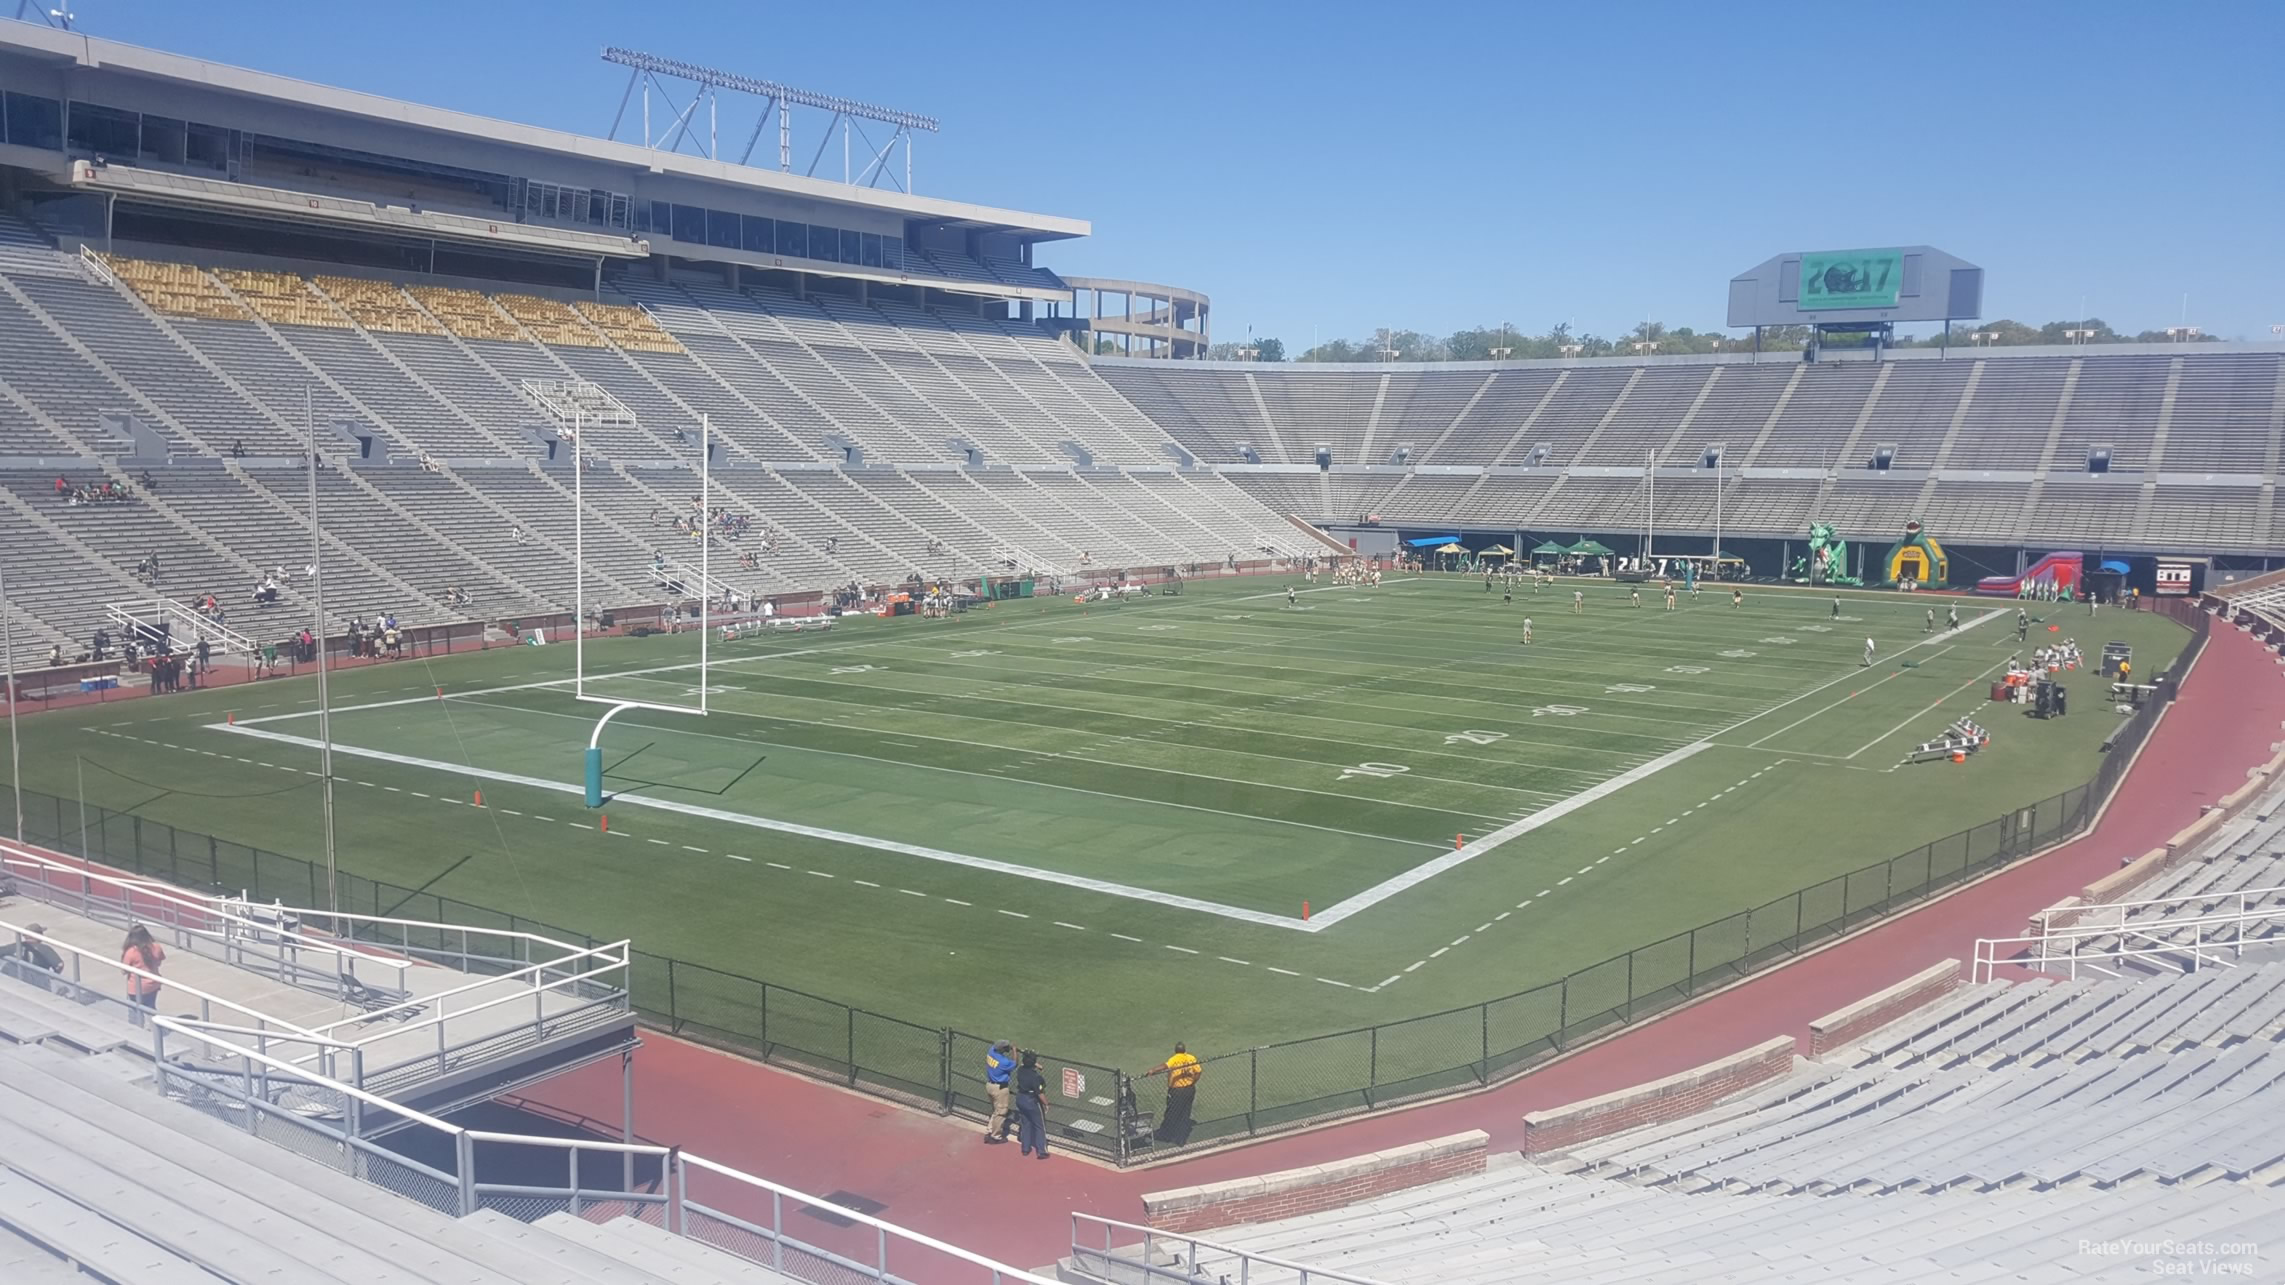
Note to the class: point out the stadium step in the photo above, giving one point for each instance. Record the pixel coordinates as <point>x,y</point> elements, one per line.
<point>29,1015</point>
<point>250,1168</point>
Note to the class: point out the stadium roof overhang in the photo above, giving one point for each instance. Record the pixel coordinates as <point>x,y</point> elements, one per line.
<point>288,98</point>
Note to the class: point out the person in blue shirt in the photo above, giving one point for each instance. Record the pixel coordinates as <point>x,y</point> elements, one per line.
<point>999,1066</point>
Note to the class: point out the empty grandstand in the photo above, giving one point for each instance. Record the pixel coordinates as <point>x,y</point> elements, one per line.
<point>277,357</point>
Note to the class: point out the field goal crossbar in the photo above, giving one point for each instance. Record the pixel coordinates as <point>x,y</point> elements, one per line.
<point>574,404</point>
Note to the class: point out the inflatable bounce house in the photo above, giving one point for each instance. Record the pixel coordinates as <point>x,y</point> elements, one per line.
<point>1917,558</point>
<point>2055,576</point>
<point>1827,561</point>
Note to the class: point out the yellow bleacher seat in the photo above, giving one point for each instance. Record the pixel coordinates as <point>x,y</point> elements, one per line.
<point>467,313</point>
<point>550,321</point>
<point>630,328</point>
<point>378,305</point>
<point>281,298</point>
<point>177,289</point>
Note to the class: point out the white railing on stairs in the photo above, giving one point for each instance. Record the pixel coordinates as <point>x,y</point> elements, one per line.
<point>668,1188</point>
<point>187,626</point>
<point>95,267</point>
<point>1190,1259</point>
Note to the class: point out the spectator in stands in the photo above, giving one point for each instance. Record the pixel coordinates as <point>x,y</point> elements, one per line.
<point>832,544</point>
<point>1182,1072</point>
<point>32,962</point>
<point>999,1069</point>
<point>63,485</point>
<point>204,654</point>
<point>55,655</point>
<point>143,479</point>
<point>144,956</point>
<point>1031,1106</point>
<point>237,449</point>
<point>99,644</point>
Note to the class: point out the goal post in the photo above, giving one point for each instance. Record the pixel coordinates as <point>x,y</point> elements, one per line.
<point>578,406</point>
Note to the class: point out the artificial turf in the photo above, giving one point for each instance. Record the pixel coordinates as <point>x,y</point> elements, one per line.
<point>1215,756</point>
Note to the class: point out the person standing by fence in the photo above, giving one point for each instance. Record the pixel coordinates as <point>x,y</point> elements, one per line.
<point>1031,1106</point>
<point>142,956</point>
<point>999,1067</point>
<point>1181,1071</point>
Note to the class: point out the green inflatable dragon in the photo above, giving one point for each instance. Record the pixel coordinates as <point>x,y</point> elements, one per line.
<point>1827,561</point>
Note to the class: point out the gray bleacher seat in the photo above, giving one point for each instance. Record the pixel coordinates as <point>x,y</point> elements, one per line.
<point>208,1168</point>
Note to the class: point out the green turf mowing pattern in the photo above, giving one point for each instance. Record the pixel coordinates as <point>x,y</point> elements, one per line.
<point>1218,747</point>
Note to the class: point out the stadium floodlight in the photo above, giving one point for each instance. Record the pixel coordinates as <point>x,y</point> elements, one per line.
<point>1983,337</point>
<point>2183,334</point>
<point>1572,350</point>
<point>2079,336</point>
<point>652,72</point>
<point>2278,331</point>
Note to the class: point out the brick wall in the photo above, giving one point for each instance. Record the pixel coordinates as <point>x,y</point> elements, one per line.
<point>1659,1101</point>
<point>1316,1188</point>
<point>1874,1011</point>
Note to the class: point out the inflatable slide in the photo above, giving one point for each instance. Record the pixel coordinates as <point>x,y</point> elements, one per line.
<point>2061,570</point>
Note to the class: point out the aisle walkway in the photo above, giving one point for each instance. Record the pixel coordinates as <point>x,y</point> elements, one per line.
<point>932,1174</point>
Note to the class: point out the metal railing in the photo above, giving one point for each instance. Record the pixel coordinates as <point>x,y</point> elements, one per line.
<point>568,986</point>
<point>2113,915</point>
<point>237,933</point>
<point>531,1176</point>
<point>2186,945</point>
<point>82,968</point>
<point>1205,1260</point>
<point>1245,1094</point>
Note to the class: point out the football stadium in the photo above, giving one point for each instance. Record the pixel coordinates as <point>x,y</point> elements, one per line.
<point>694,689</point>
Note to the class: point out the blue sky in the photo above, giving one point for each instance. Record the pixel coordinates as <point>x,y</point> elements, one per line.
<point>1330,168</point>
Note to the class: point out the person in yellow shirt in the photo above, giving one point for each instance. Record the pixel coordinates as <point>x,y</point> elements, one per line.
<point>1182,1072</point>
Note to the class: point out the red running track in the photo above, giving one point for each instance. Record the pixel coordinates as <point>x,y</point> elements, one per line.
<point>933,1175</point>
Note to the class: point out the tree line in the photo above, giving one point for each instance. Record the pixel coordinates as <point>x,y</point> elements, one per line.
<point>1651,338</point>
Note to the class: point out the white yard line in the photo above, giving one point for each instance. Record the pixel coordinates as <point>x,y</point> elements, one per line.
<point>1922,712</point>
<point>1105,886</point>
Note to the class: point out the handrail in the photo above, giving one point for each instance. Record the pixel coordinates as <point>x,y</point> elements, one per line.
<point>103,961</point>
<point>565,1144</point>
<point>2064,946</point>
<point>177,1025</point>
<point>2124,909</point>
<point>677,1162</point>
<point>94,263</point>
<point>1246,1258</point>
<point>10,855</point>
<point>204,1025</point>
<point>10,851</point>
<point>425,1001</point>
<point>738,1175</point>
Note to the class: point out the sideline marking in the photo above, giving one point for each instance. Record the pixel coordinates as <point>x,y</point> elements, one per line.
<point>1382,891</point>
<point>1322,920</point>
<point>1173,900</point>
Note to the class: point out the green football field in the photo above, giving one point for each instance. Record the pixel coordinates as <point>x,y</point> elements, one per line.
<point>1212,817</point>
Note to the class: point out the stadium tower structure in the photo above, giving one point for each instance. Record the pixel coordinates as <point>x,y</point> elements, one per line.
<point>158,147</point>
<point>1856,292</point>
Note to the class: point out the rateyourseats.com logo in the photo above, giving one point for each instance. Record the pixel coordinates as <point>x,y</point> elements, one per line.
<point>2169,1257</point>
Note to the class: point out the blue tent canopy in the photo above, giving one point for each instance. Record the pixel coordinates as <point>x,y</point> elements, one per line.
<point>2114,564</point>
<point>1434,541</point>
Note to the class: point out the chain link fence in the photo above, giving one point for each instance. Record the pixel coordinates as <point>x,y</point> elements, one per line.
<point>1097,1109</point>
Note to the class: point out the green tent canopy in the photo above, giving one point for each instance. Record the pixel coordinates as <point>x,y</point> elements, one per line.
<point>1590,547</point>
<point>1551,549</point>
